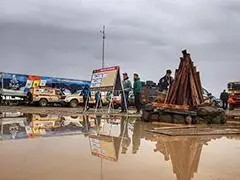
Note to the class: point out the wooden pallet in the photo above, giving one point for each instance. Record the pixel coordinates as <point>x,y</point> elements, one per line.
<point>170,106</point>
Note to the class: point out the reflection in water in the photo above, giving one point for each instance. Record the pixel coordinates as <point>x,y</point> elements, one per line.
<point>126,140</point>
<point>110,137</point>
<point>184,154</point>
<point>20,126</point>
<point>108,146</point>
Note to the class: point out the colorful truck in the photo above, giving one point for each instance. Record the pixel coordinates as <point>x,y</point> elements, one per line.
<point>234,95</point>
<point>15,87</point>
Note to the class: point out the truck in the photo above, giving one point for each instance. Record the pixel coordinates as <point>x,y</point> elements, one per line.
<point>76,99</point>
<point>234,94</point>
<point>15,87</point>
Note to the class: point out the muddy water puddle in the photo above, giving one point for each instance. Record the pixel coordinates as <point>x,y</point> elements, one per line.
<point>51,147</point>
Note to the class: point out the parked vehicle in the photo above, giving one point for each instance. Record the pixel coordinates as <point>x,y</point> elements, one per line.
<point>76,99</point>
<point>45,96</point>
<point>116,100</point>
<point>234,95</point>
<point>209,98</point>
<point>15,87</point>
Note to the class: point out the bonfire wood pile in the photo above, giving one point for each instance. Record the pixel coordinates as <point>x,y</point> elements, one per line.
<point>186,88</point>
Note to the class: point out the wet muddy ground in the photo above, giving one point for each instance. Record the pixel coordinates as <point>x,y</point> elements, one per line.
<point>90,147</point>
<point>60,110</point>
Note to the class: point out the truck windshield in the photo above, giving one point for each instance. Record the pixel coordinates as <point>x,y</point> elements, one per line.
<point>234,86</point>
<point>77,92</point>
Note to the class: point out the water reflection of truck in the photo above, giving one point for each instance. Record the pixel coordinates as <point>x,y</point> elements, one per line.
<point>234,94</point>
<point>14,87</point>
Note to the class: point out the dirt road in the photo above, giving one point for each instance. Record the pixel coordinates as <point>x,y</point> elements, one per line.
<point>76,111</point>
<point>60,110</point>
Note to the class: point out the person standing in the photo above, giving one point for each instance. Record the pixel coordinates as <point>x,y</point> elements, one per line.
<point>98,99</point>
<point>224,97</point>
<point>165,82</point>
<point>137,90</point>
<point>109,96</point>
<point>86,93</point>
<point>127,87</point>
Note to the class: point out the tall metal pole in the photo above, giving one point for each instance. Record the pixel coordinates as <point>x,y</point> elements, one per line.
<point>2,74</point>
<point>103,45</point>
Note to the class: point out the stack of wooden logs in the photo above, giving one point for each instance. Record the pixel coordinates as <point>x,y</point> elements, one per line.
<point>186,88</point>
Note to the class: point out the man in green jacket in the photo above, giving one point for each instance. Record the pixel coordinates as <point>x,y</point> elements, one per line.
<point>137,90</point>
<point>127,87</point>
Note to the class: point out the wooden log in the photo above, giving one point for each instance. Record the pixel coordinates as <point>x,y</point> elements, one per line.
<point>177,83</point>
<point>185,88</point>
<point>184,83</point>
<point>200,85</point>
<point>172,87</point>
<point>195,99</point>
<point>171,96</point>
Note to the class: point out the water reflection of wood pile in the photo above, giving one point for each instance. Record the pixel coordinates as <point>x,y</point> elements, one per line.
<point>183,152</point>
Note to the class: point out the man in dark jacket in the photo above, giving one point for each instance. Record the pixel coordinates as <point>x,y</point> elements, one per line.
<point>137,90</point>
<point>165,82</point>
<point>127,87</point>
<point>86,93</point>
<point>98,99</point>
<point>224,98</point>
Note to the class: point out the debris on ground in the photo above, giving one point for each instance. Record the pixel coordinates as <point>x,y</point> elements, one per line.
<point>194,131</point>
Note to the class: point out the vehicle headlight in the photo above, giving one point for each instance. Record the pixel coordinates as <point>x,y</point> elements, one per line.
<point>67,99</point>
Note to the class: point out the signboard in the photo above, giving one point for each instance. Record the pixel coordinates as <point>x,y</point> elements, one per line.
<point>106,147</point>
<point>106,78</point>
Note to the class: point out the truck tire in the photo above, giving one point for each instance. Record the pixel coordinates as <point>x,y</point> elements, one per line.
<point>43,102</point>
<point>147,112</point>
<point>188,120</point>
<point>231,107</point>
<point>116,106</point>
<point>146,116</point>
<point>29,98</point>
<point>73,103</point>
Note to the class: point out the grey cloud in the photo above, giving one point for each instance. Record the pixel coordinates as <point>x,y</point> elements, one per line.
<point>61,37</point>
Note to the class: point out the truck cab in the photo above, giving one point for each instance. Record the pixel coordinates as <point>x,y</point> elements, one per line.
<point>234,94</point>
<point>45,95</point>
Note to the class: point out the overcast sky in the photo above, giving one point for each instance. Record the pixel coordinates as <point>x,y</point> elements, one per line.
<point>62,38</point>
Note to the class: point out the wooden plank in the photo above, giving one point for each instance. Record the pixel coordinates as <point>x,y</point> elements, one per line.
<point>170,106</point>
<point>200,86</point>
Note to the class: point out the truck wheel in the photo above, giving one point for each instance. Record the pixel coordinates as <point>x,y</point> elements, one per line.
<point>231,107</point>
<point>147,112</point>
<point>73,103</point>
<point>116,106</point>
<point>29,97</point>
<point>188,120</point>
<point>43,102</point>
<point>146,116</point>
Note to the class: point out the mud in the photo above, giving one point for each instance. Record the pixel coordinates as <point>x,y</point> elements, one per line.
<point>62,147</point>
<point>62,110</point>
